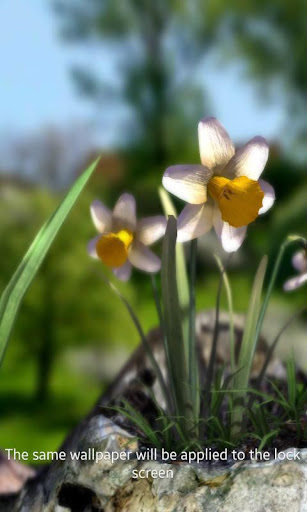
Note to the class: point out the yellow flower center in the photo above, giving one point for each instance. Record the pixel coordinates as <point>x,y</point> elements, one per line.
<point>239,199</point>
<point>112,248</point>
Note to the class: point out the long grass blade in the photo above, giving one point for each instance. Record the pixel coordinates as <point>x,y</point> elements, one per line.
<point>31,262</point>
<point>192,356</point>
<point>172,318</point>
<point>274,344</point>
<point>230,310</point>
<point>248,345</point>
<point>181,270</point>
<point>289,240</point>
<point>144,340</point>
<point>210,369</point>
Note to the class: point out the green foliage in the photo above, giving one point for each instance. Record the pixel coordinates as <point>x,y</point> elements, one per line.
<point>181,272</point>
<point>178,368</point>
<point>271,39</point>
<point>160,97</point>
<point>144,340</point>
<point>25,273</point>
<point>248,346</point>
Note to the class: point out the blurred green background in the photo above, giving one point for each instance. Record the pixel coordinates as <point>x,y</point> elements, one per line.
<point>140,75</point>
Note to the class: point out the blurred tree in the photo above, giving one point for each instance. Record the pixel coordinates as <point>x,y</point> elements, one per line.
<point>156,49</point>
<point>271,37</point>
<point>49,157</point>
<point>161,42</point>
<point>47,321</point>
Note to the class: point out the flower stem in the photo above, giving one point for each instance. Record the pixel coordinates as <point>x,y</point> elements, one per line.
<point>230,309</point>
<point>210,368</point>
<point>144,339</point>
<point>173,327</point>
<point>192,356</point>
<point>288,241</point>
<point>273,345</point>
<point>163,335</point>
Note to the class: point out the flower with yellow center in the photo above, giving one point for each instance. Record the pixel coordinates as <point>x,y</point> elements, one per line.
<point>123,240</point>
<point>299,262</point>
<point>225,191</point>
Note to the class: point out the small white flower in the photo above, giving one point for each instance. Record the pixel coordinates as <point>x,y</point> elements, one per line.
<point>299,262</point>
<point>225,191</point>
<point>122,240</point>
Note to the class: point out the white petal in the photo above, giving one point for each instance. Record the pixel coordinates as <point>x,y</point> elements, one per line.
<point>249,160</point>
<point>123,273</point>
<point>101,216</point>
<point>91,247</point>
<point>269,196</point>
<point>124,213</point>
<point>143,258</point>
<point>194,221</point>
<point>299,261</point>
<point>188,182</point>
<point>295,282</point>
<point>150,229</point>
<point>215,145</point>
<point>231,238</point>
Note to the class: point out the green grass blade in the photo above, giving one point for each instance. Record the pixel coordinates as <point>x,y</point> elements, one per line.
<point>144,340</point>
<point>26,271</point>
<point>181,273</point>
<point>192,361</point>
<point>288,241</point>
<point>230,310</point>
<point>247,349</point>
<point>291,381</point>
<point>212,358</point>
<point>274,343</point>
<point>248,344</point>
<point>181,270</point>
<point>172,318</point>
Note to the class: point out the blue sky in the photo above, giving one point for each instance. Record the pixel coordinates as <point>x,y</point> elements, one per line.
<point>36,88</point>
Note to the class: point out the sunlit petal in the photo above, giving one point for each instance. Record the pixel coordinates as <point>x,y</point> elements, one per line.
<point>269,196</point>
<point>194,221</point>
<point>150,229</point>
<point>188,182</point>
<point>123,273</point>
<point>101,216</point>
<point>143,258</point>
<point>299,261</point>
<point>124,213</point>
<point>215,145</point>
<point>91,247</point>
<point>249,160</point>
<point>295,282</point>
<point>231,238</point>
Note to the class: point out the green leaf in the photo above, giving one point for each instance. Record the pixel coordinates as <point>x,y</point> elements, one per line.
<point>230,310</point>
<point>144,340</point>
<point>182,275</point>
<point>291,381</point>
<point>172,317</point>
<point>181,270</point>
<point>248,344</point>
<point>31,262</point>
<point>288,241</point>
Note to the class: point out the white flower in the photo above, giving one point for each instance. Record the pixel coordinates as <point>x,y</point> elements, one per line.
<point>299,262</point>
<point>122,240</point>
<point>225,191</point>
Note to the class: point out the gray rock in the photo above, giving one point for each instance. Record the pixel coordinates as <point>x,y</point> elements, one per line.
<point>275,486</point>
<point>102,485</point>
